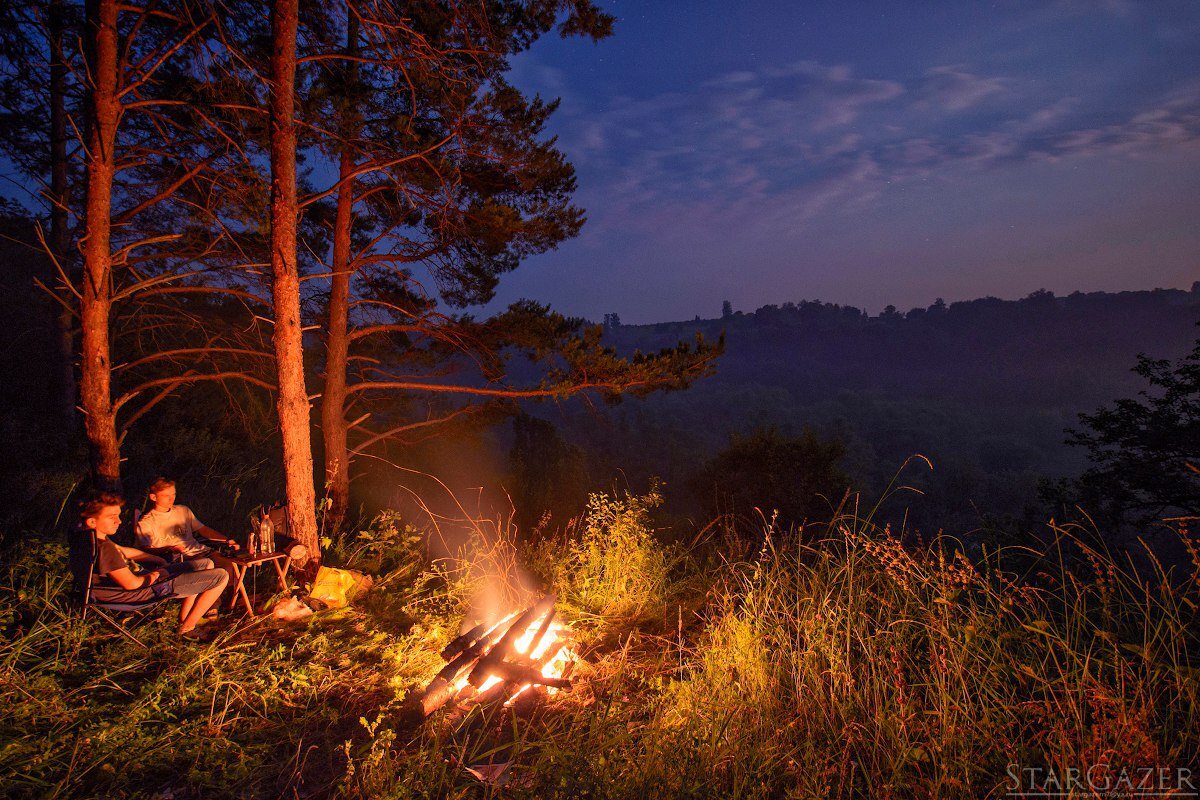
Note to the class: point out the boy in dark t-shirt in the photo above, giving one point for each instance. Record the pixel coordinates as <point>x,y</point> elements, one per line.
<point>109,559</point>
<point>121,573</point>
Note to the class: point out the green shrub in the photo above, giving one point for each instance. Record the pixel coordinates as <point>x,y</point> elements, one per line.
<point>387,544</point>
<point>617,569</point>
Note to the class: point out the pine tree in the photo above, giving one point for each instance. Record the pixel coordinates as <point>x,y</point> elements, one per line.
<point>292,402</point>
<point>154,164</point>
<point>445,182</point>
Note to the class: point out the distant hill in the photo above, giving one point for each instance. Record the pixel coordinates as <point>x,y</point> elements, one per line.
<point>984,388</point>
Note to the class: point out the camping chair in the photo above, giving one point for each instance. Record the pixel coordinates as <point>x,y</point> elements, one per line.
<point>82,559</point>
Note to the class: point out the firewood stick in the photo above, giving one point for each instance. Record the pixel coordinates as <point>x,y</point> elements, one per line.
<point>551,653</point>
<point>501,650</point>
<point>441,688</point>
<point>436,695</point>
<point>541,631</point>
<point>497,695</point>
<point>519,674</point>
<point>463,641</point>
<point>286,544</point>
<point>515,676</point>
<point>477,648</point>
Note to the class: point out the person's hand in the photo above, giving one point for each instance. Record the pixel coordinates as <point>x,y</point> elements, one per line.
<point>178,548</point>
<point>232,544</point>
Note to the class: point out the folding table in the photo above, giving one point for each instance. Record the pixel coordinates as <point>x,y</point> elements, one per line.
<point>241,566</point>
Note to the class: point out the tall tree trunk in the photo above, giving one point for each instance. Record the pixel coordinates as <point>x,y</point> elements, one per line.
<point>333,399</point>
<point>60,232</point>
<point>289,343</point>
<point>96,289</point>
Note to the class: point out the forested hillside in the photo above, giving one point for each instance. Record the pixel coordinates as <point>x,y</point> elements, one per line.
<point>983,388</point>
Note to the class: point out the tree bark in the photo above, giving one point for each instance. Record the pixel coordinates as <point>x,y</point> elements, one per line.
<point>333,398</point>
<point>60,233</point>
<point>96,289</point>
<point>289,344</point>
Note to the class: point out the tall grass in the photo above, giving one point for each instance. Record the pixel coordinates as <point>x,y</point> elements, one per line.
<point>847,666</point>
<point>615,570</point>
<point>856,664</point>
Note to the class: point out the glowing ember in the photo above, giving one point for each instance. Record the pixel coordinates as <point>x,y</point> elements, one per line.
<point>500,663</point>
<point>554,665</point>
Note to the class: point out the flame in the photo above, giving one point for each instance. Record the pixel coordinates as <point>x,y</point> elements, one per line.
<point>555,635</point>
<point>557,664</point>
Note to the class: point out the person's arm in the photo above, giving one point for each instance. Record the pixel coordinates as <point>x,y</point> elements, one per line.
<point>142,557</point>
<point>214,537</point>
<point>127,580</point>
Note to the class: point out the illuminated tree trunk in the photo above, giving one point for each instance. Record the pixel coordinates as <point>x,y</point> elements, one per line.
<point>60,233</point>
<point>96,289</point>
<point>333,399</point>
<point>289,345</point>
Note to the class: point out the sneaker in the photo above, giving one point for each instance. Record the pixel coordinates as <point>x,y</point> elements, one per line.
<point>198,635</point>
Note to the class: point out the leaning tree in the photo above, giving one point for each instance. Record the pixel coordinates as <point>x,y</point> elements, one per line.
<point>445,181</point>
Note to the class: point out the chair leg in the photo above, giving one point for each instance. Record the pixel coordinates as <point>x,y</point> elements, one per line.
<point>120,628</point>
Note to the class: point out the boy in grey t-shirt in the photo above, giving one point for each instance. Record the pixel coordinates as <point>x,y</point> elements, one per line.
<point>116,578</point>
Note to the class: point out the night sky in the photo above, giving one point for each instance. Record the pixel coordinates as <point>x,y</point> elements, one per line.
<point>871,153</point>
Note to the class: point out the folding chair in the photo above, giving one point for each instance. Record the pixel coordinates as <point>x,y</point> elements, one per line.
<point>82,558</point>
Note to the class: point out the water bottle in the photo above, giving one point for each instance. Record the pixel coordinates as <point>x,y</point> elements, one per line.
<point>266,535</point>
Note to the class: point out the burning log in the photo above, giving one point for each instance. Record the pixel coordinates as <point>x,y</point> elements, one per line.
<point>521,679</point>
<point>444,684</point>
<point>503,660</point>
<point>520,674</point>
<point>508,642</point>
<point>463,642</point>
<point>542,630</point>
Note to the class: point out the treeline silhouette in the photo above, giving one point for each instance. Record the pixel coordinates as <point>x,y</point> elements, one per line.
<point>808,400</point>
<point>983,388</point>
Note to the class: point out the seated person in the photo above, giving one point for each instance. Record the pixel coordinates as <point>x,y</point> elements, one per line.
<point>170,527</point>
<point>129,575</point>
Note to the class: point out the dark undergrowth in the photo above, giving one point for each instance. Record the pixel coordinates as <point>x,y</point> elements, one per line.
<point>833,663</point>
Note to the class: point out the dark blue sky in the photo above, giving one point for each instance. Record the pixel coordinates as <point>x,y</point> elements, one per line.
<point>871,153</point>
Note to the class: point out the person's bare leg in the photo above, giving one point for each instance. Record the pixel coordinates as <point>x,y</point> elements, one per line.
<point>186,607</point>
<point>204,601</point>
<point>223,562</point>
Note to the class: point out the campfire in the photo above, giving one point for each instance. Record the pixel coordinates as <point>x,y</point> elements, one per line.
<point>494,665</point>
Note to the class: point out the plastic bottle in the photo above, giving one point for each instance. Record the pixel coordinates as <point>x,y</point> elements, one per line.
<point>266,535</point>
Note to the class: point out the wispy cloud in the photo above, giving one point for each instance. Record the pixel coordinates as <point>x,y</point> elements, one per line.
<point>953,88</point>
<point>834,93</point>
<point>805,138</point>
